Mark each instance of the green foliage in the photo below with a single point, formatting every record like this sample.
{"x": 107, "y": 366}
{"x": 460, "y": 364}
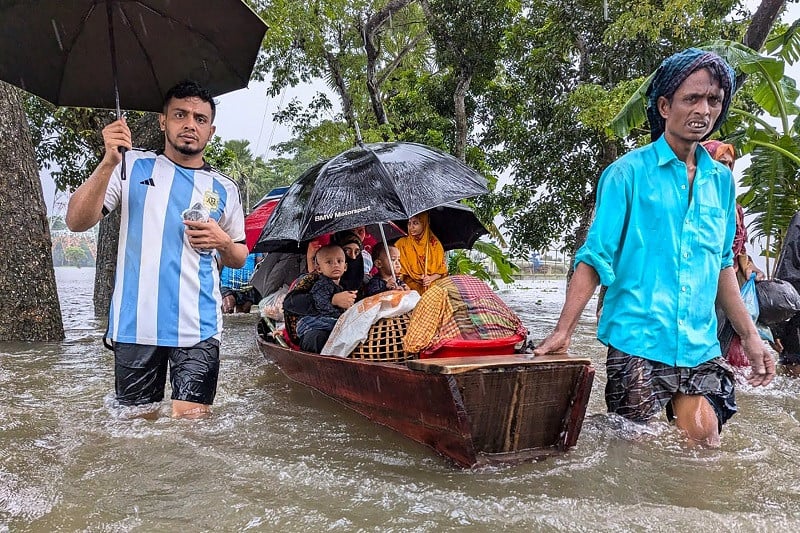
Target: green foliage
{"x": 74, "y": 255}
{"x": 218, "y": 156}
{"x": 465, "y": 262}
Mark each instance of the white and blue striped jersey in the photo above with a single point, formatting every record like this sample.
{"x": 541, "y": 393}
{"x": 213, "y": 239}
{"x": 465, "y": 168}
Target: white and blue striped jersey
{"x": 166, "y": 293}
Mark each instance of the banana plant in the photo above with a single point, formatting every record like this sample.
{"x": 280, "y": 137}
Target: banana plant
{"x": 461, "y": 262}
{"x": 763, "y": 123}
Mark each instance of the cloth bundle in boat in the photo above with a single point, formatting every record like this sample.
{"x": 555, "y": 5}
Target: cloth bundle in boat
{"x": 355, "y": 324}
{"x": 460, "y": 307}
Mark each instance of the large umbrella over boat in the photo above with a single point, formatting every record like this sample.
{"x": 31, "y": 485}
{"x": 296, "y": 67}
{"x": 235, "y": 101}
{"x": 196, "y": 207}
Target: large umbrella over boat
{"x": 368, "y": 184}
{"x": 126, "y": 53}
{"x": 454, "y": 224}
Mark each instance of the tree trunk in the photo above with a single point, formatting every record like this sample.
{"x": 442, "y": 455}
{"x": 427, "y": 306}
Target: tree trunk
{"x": 369, "y": 34}
{"x": 609, "y": 154}
{"x": 146, "y": 134}
{"x": 459, "y": 95}
{"x": 106, "y": 263}
{"x": 760, "y": 25}
{"x": 335, "y": 69}
{"x": 31, "y": 310}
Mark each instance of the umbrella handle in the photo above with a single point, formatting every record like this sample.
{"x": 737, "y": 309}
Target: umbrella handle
{"x": 122, "y": 150}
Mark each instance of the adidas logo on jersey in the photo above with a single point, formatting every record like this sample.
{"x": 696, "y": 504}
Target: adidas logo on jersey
{"x": 148, "y": 181}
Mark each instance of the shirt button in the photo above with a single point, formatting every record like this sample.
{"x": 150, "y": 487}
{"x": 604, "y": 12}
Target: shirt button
{"x": 685, "y": 255}
{"x": 683, "y": 187}
{"x": 683, "y": 289}
{"x": 680, "y": 322}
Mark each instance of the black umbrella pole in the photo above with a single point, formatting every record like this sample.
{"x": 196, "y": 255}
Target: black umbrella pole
{"x": 113, "y": 48}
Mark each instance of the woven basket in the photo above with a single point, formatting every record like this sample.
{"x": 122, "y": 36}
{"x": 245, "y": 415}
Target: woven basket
{"x": 385, "y": 341}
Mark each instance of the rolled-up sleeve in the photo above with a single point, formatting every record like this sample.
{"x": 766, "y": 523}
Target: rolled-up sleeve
{"x": 605, "y": 234}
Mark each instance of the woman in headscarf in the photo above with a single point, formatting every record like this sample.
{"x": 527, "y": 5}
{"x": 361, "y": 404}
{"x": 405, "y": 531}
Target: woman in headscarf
{"x": 743, "y": 266}
{"x": 729, "y": 341}
{"x": 354, "y": 277}
{"x": 421, "y": 254}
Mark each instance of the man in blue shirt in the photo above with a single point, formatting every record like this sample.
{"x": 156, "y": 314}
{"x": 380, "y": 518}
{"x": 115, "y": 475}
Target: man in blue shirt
{"x": 661, "y": 242}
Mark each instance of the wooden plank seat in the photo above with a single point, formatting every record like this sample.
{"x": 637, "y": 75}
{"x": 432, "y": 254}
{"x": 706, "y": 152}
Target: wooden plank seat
{"x": 458, "y": 365}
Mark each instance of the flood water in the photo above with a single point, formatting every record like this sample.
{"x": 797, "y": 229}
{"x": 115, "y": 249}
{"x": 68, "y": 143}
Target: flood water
{"x": 276, "y": 456}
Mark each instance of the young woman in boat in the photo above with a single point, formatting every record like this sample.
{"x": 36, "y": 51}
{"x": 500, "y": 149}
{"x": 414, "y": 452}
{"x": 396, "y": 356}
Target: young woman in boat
{"x": 421, "y": 254}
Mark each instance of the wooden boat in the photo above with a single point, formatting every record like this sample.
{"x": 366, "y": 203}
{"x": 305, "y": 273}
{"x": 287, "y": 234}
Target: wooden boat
{"x": 478, "y": 410}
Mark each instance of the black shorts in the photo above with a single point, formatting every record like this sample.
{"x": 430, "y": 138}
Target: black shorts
{"x": 639, "y": 389}
{"x": 244, "y": 296}
{"x": 140, "y": 372}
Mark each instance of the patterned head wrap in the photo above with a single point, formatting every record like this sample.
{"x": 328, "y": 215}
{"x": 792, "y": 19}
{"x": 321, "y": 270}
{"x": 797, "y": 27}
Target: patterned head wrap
{"x": 716, "y": 149}
{"x": 674, "y": 70}
{"x": 345, "y": 237}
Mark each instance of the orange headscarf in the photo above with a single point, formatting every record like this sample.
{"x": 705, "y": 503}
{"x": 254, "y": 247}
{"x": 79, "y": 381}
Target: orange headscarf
{"x": 421, "y": 256}
{"x": 717, "y": 149}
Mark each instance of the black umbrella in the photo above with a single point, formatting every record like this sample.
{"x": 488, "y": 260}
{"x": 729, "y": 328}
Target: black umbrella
{"x": 454, "y": 224}
{"x": 368, "y": 184}
{"x": 68, "y": 51}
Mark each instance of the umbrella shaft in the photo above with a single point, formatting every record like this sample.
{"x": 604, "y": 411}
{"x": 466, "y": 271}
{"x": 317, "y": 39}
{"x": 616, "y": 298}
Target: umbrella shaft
{"x": 113, "y": 48}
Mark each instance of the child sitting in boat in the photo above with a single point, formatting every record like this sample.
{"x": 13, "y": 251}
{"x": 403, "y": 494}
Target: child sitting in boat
{"x": 314, "y": 329}
{"x": 421, "y": 254}
{"x": 388, "y": 276}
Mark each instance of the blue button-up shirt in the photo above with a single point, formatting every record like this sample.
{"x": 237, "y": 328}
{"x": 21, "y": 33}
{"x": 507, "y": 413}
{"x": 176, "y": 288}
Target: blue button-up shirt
{"x": 660, "y": 251}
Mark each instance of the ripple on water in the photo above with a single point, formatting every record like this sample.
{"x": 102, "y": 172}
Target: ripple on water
{"x": 276, "y": 456}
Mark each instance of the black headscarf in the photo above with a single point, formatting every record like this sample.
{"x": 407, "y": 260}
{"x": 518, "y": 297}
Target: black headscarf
{"x": 673, "y": 71}
{"x": 353, "y": 278}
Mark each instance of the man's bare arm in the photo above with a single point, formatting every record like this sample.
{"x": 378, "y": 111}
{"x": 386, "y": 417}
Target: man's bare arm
{"x": 85, "y": 208}
{"x": 583, "y": 284}
{"x": 730, "y": 299}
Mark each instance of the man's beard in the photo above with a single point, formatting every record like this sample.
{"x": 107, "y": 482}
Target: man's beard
{"x": 186, "y": 149}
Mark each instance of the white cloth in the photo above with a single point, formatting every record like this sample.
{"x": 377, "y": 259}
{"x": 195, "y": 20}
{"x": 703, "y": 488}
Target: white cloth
{"x": 354, "y": 324}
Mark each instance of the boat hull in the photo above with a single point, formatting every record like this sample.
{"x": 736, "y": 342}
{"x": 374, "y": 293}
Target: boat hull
{"x": 475, "y": 411}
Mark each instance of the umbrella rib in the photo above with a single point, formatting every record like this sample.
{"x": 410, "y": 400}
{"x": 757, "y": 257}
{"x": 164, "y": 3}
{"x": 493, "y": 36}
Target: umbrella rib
{"x": 179, "y": 23}
{"x": 387, "y": 175}
{"x": 67, "y": 50}
{"x": 145, "y": 53}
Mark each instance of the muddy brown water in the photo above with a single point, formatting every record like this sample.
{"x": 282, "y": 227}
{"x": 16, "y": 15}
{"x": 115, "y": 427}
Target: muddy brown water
{"x": 276, "y": 456}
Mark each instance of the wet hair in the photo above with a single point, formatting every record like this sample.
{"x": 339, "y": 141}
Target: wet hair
{"x": 188, "y": 89}
{"x": 379, "y": 251}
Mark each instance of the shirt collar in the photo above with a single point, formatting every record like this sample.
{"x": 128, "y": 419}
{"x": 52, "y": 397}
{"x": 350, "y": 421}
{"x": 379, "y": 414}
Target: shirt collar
{"x": 665, "y": 155}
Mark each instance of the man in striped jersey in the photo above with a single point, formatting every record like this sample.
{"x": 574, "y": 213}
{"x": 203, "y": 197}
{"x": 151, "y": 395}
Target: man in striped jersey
{"x": 166, "y": 307}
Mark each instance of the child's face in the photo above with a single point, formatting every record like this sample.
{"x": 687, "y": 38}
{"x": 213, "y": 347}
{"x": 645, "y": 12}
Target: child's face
{"x": 384, "y": 266}
{"x": 352, "y": 250}
{"x": 414, "y": 227}
{"x": 331, "y": 263}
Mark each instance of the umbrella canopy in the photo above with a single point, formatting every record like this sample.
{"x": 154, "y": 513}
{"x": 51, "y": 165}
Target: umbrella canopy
{"x": 454, "y": 224}
{"x": 254, "y": 222}
{"x": 368, "y": 184}
{"x": 67, "y": 51}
